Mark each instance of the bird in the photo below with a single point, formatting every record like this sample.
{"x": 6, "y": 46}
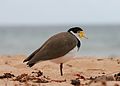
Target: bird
{"x": 59, "y": 48}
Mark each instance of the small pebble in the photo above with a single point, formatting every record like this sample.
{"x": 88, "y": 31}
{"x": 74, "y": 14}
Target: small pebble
{"x": 75, "y": 82}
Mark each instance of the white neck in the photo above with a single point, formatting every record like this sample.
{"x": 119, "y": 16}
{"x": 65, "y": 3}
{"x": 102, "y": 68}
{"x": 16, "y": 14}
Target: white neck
{"x": 76, "y": 35}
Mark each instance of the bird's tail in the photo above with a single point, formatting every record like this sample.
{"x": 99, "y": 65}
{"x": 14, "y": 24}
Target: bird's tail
{"x": 25, "y": 60}
{"x": 30, "y": 64}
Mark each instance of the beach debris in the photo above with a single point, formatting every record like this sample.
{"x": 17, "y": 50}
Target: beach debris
{"x": 118, "y": 61}
{"x": 25, "y": 77}
{"x": 38, "y": 73}
{"x": 103, "y": 72}
{"x": 100, "y": 59}
{"x": 117, "y": 76}
{"x": 21, "y": 78}
{"x": 75, "y": 82}
{"x": 6, "y": 62}
{"x": 36, "y": 77}
{"x": 80, "y": 76}
{"x": 7, "y": 75}
{"x": 100, "y": 78}
{"x": 103, "y": 78}
{"x": 91, "y": 78}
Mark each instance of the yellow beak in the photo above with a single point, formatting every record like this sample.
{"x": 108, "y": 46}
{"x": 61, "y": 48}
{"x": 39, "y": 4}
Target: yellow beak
{"x": 82, "y": 34}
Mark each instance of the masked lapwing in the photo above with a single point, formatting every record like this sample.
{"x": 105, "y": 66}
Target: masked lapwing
{"x": 58, "y": 48}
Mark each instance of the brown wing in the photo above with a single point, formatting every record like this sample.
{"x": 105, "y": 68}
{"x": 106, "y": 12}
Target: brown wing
{"x": 56, "y": 46}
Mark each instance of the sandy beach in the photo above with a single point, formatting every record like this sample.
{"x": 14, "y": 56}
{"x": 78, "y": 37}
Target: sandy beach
{"x": 83, "y": 71}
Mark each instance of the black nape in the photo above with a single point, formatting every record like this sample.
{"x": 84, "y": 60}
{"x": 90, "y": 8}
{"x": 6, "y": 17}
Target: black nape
{"x": 75, "y": 29}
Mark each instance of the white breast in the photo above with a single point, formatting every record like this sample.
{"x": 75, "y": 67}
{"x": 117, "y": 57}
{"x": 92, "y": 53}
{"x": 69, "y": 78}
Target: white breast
{"x": 70, "y": 55}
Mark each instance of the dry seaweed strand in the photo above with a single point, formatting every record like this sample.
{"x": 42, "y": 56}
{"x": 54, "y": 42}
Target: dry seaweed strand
{"x": 26, "y": 77}
{"x": 108, "y": 77}
{"x": 38, "y": 74}
{"x": 37, "y": 78}
{"x": 7, "y": 75}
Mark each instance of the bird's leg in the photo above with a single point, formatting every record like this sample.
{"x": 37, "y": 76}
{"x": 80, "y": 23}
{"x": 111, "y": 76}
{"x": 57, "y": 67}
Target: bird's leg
{"x": 61, "y": 67}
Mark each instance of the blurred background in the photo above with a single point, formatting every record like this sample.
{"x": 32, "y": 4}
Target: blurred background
{"x": 26, "y": 24}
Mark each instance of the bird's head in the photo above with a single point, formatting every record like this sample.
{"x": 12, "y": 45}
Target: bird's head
{"x": 78, "y": 31}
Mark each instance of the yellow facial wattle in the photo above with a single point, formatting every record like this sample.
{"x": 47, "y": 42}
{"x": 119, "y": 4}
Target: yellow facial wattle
{"x": 82, "y": 34}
